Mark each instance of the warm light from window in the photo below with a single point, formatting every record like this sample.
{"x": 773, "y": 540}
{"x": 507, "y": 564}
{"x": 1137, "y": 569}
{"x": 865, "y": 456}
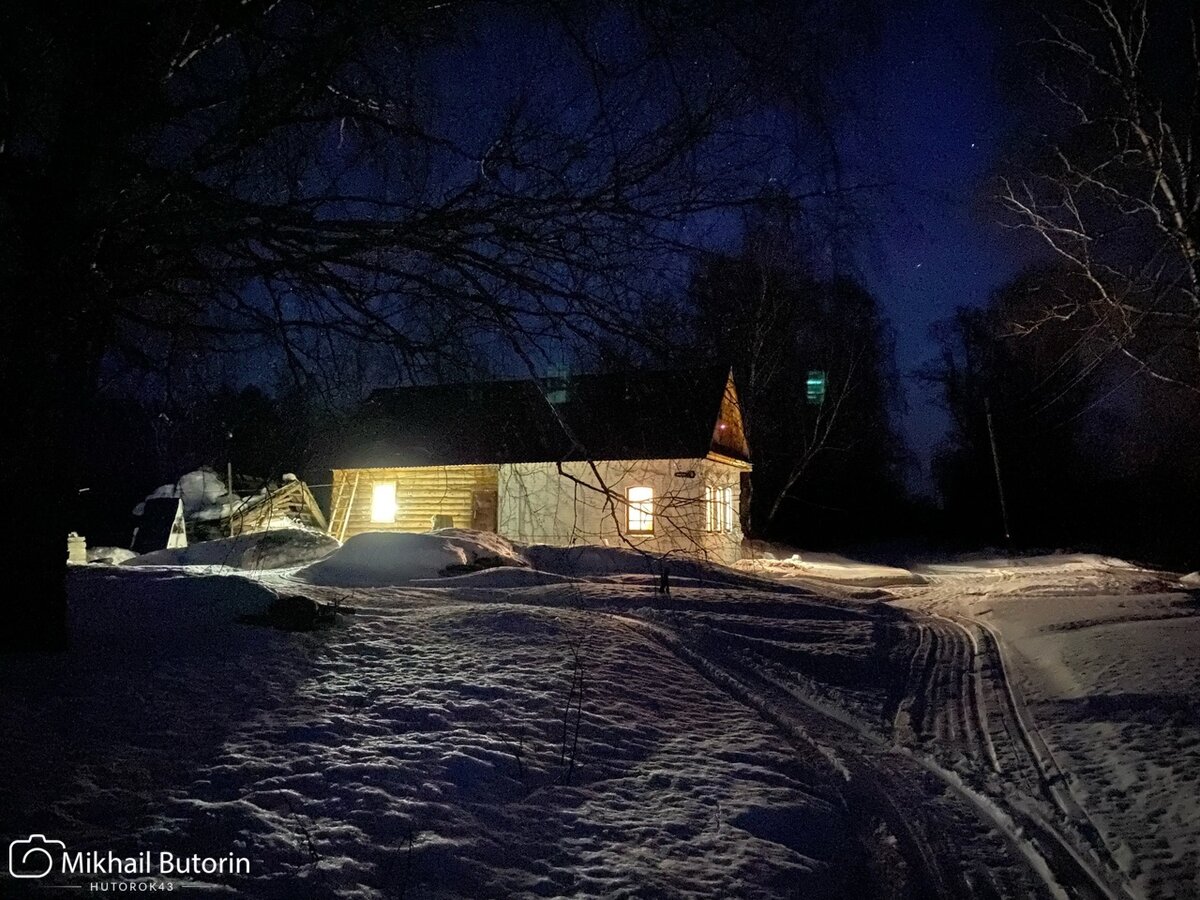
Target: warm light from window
{"x": 718, "y": 508}
{"x": 383, "y": 501}
{"x": 641, "y": 508}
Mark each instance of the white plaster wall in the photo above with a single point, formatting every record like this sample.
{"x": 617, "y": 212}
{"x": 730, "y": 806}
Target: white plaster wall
{"x": 581, "y": 505}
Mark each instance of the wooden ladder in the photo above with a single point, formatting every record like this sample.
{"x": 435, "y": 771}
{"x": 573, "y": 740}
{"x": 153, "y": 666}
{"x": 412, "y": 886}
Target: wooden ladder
{"x": 345, "y": 523}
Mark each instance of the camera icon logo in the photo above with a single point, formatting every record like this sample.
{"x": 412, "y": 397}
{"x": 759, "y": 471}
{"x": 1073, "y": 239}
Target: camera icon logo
{"x": 33, "y": 857}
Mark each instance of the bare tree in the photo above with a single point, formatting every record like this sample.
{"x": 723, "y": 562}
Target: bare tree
{"x": 292, "y": 181}
{"x": 778, "y": 324}
{"x": 1114, "y": 190}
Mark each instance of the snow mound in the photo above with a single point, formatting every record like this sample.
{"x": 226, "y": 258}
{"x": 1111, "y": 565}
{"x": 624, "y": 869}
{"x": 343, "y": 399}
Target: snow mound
{"x": 261, "y": 550}
{"x": 827, "y": 567}
{"x": 589, "y": 559}
{"x": 205, "y": 496}
{"x": 148, "y": 613}
{"x": 379, "y": 559}
{"x": 500, "y": 577}
{"x": 483, "y": 545}
{"x": 113, "y": 556}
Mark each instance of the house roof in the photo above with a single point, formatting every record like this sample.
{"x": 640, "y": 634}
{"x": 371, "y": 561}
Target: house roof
{"x": 632, "y": 415}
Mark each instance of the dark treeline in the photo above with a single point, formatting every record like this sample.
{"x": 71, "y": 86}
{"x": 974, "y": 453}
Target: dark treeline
{"x": 828, "y": 463}
{"x": 1092, "y": 360}
{"x": 1092, "y": 454}
{"x": 134, "y": 447}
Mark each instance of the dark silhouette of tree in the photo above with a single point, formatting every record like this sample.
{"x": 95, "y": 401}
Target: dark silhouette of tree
{"x": 1038, "y": 385}
{"x": 1092, "y": 454}
{"x": 1109, "y": 179}
{"x": 298, "y": 180}
{"x": 825, "y": 469}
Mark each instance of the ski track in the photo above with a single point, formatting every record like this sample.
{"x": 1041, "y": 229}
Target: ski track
{"x": 924, "y": 738}
{"x": 949, "y": 761}
{"x": 973, "y": 720}
{"x": 962, "y": 721}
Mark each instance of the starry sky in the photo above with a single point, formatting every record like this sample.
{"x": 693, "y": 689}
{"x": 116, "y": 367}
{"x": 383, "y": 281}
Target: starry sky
{"x": 933, "y": 123}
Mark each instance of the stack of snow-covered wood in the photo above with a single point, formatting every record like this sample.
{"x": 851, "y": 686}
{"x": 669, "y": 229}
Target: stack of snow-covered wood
{"x": 211, "y": 510}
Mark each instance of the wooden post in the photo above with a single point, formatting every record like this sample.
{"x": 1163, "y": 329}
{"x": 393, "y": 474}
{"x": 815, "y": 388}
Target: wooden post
{"x": 987, "y": 407}
{"x": 229, "y": 491}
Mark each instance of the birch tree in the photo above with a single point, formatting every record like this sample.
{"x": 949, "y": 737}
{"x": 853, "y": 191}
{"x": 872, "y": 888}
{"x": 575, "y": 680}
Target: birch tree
{"x": 1113, "y": 186}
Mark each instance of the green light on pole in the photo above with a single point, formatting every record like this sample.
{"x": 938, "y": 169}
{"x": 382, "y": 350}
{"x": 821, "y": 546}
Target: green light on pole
{"x": 816, "y": 387}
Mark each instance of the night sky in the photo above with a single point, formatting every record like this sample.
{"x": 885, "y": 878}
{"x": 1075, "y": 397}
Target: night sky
{"x": 927, "y": 123}
{"x": 933, "y": 121}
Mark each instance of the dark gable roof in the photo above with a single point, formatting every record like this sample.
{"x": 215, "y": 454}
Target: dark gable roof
{"x": 633, "y": 415}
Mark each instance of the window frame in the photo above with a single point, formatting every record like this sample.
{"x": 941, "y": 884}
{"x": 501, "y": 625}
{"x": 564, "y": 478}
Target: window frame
{"x": 645, "y": 513}
{"x": 718, "y": 508}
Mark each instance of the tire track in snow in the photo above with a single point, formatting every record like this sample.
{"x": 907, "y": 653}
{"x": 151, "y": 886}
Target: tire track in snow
{"x": 946, "y": 843}
{"x": 1000, "y": 743}
{"x": 1053, "y": 780}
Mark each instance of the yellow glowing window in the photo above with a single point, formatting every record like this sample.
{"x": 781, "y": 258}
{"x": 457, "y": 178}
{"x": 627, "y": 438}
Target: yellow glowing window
{"x": 641, "y": 509}
{"x": 718, "y": 508}
{"x": 383, "y": 501}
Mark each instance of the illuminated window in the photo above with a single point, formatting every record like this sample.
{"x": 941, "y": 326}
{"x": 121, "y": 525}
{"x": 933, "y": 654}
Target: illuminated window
{"x": 383, "y": 501}
{"x": 641, "y": 509}
{"x": 718, "y": 508}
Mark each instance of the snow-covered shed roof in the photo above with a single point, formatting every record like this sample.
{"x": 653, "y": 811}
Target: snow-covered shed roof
{"x": 678, "y": 414}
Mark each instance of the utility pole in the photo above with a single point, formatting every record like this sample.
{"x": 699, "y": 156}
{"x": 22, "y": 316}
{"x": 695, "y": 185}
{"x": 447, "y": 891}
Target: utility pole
{"x": 229, "y": 476}
{"x": 987, "y": 407}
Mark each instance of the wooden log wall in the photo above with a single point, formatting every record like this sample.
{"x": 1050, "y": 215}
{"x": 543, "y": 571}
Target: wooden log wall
{"x": 421, "y": 493}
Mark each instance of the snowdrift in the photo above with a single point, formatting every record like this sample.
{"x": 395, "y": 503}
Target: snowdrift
{"x": 588, "y": 559}
{"x": 973, "y": 565}
{"x": 380, "y": 559}
{"x": 160, "y": 613}
{"x": 827, "y": 567}
{"x": 113, "y": 556}
{"x": 204, "y": 494}
{"x": 501, "y": 577}
{"x": 262, "y": 550}
{"x": 596, "y": 563}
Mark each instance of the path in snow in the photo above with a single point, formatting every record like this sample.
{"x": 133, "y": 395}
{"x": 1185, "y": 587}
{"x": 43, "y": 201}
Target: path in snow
{"x": 839, "y": 679}
{"x": 1004, "y": 730}
{"x": 1067, "y": 686}
{"x": 957, "y": 723}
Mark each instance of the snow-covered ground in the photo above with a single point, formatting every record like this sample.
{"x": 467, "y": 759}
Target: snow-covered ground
{"x": 551, "y": 725}
{"x": 828, "y": 567}
{"x": 1105, "y": 658}
{"x": 281, "y": 548}
{"x": 434, "y": 744}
